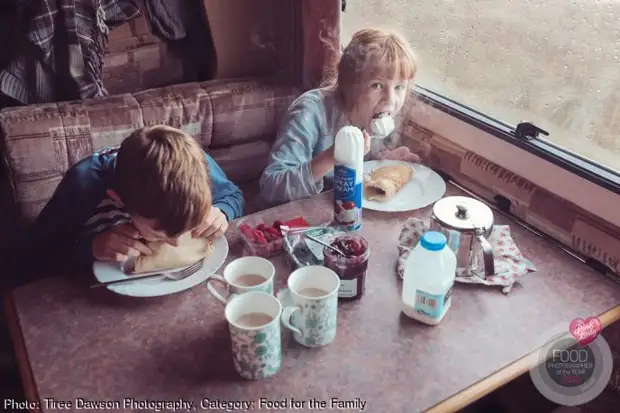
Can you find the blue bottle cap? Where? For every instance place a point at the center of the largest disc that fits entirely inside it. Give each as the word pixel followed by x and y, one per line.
pixel 433 241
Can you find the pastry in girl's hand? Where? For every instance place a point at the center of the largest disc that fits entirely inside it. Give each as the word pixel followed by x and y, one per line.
pixel 385 182
pixel 166 256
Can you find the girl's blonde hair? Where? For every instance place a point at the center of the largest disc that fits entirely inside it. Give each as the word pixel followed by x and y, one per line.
pixel 373 52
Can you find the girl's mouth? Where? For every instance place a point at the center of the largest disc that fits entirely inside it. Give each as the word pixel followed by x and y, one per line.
pixel 380 115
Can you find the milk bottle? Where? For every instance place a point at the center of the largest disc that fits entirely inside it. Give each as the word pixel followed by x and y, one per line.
pixel 348 177
pixel 428 279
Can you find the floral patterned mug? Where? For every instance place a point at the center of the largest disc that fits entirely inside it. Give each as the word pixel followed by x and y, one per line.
pixel 313 317
pixel 254 324
pixel 243 275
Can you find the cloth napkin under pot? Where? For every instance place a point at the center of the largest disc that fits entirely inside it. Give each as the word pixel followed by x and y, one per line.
pixel 510 264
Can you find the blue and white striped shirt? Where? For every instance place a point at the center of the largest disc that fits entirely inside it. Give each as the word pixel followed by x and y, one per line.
pixel 106 215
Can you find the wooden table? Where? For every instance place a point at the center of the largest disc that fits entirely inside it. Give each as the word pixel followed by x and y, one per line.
pixel 74 342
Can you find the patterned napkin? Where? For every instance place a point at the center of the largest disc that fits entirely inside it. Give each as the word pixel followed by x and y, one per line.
pixel 510 264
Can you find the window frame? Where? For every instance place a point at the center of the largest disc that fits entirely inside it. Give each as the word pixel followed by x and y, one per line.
pixel 595 173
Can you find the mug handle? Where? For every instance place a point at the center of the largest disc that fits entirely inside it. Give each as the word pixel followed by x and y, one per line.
pixel 219 297
pixel 286 319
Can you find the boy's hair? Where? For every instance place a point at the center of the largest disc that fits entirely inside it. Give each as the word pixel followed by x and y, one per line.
pixel 373 52
pixel 161 173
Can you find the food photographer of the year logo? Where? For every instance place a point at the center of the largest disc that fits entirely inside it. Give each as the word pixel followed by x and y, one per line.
pixel 573 369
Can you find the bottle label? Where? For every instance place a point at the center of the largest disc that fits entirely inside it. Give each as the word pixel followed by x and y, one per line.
pixel 348 288
pixel 347 198
pixel 431 305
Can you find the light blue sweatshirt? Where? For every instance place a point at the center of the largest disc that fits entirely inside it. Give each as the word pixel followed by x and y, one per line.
pixel 308 128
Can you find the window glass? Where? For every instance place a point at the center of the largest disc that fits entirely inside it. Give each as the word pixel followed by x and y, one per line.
pixel 553 62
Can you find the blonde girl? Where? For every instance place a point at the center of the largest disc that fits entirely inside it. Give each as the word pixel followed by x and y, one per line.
pixel 374 78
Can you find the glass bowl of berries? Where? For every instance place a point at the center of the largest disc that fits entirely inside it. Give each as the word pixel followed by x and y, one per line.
pixel 350 267
pixel 264 238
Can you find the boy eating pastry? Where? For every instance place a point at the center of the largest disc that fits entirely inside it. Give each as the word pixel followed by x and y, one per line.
pixel 156 186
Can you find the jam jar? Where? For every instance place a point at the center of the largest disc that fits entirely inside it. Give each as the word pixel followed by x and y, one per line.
pixel 352 267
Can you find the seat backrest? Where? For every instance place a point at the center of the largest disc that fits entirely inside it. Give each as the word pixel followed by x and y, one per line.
pixel 234 120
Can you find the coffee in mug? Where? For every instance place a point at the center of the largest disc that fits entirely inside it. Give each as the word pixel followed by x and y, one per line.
pixel 248 280
pixel 313 318
pixel 255 319
pixel 241 276
pixel 312 292
pixel 254 324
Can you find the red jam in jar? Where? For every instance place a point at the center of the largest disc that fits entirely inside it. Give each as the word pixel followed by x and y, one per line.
pixel 352 267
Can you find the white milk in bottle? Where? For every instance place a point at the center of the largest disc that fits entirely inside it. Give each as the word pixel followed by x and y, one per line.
pixel 428 278
pixel 348 177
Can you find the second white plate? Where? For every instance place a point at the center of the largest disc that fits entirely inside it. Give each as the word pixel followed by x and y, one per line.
pixel 425 188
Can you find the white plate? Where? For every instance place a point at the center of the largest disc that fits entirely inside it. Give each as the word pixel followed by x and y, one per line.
pixel 425 188
pixel 109 271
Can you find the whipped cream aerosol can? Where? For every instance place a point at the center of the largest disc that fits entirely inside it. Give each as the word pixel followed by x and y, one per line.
pixel 348 177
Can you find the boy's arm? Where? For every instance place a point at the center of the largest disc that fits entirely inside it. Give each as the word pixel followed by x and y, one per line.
pixel 288 175
pixel 56 229
pixel 226 195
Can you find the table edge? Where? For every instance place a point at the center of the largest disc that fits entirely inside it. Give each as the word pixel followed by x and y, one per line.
pixel 19 348
pixel 503 376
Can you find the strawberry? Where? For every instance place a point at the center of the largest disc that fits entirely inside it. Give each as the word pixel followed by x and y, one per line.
pixel 260 237
pixel 297 222
pixel 273 232
pixel 356 247
pixel 348 205
pixel 277 224
pixel 260 226
pixel 351 247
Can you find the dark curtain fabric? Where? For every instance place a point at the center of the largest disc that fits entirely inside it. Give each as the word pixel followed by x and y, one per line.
pixel 59 48
pixel 169 17
pixel 196 47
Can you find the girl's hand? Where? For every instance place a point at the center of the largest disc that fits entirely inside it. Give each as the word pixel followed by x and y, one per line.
pixel 367 139
pixel 399 154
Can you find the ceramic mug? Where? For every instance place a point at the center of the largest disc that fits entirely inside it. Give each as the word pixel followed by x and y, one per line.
pixel 241 276
pixel 313 316
pixel 254 324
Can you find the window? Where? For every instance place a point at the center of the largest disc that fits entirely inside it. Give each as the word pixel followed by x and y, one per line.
pixel 555 63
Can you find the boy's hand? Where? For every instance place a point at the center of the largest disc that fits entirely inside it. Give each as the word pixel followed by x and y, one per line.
pixel 214 226
pixel 118 243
